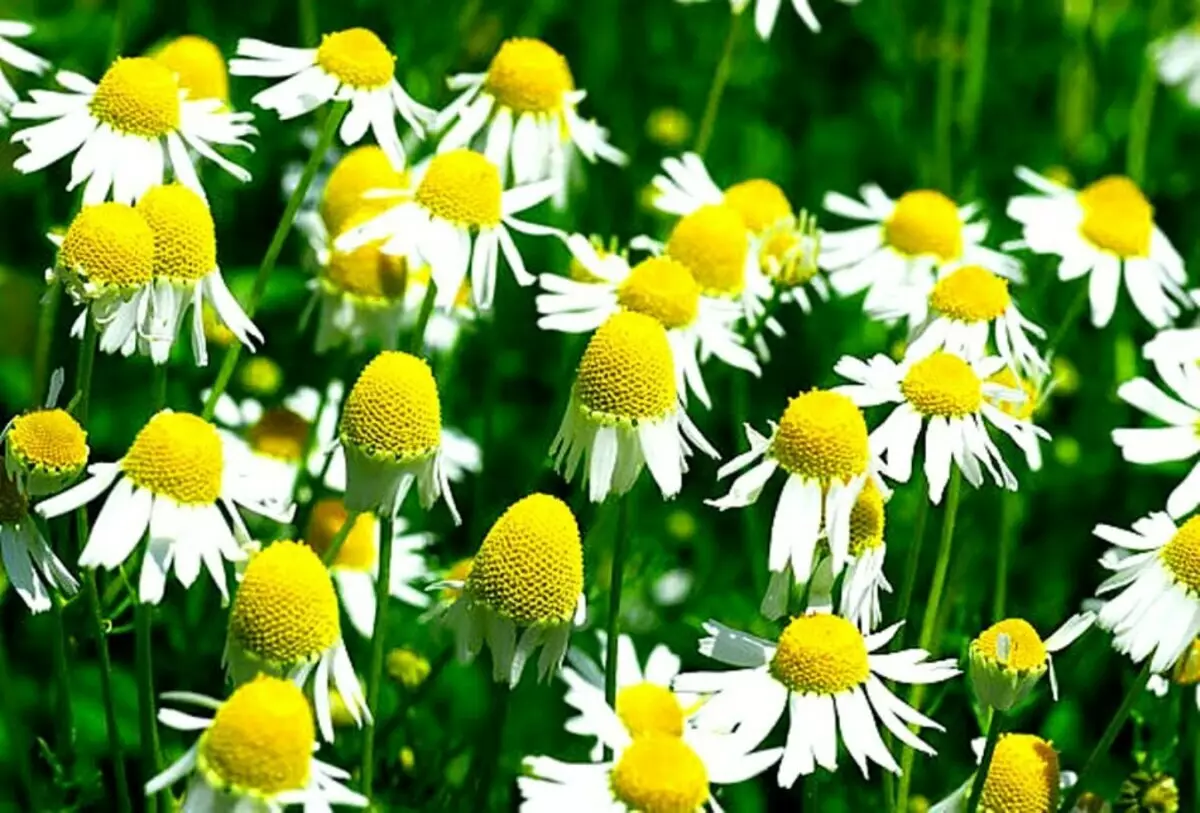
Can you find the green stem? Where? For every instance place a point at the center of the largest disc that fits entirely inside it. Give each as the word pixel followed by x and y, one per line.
pixel 47 318
pixel 418 337
pixel 716 90
pixel 913 562
pixel 64 718
pixel 308 23
pixel 106 688
pixel 1010 508
pixel 378 639
pixel 978 30
pixel 17 735
pixel 993 737
pixel 943 112
pixel 120 29
pixel 158 388
pixel 267 265
pixel 147 716
pixel 1141 112
pixel 1071 317
pixel 812 794
pixel 339 539
pixel 83 370
pixel 617 578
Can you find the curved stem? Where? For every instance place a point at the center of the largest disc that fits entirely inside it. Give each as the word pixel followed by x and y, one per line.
pixel 83 371
pixel 716 90
pixel 1071 317
pixel 106 688
pixel 378 639
pixel 418 336
pixel 339 539
pixel 1009 516
pixel 993 737
pixel 65 719
pixel 978 30
pixel 47 318
pixel 1141 112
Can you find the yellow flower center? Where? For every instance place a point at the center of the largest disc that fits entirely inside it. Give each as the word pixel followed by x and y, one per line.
pixel 407 668
pixel 659 773
pixel 867 519
pixel 1021 410
pixel 627 372
pixel 820 654
pixel 647 708
pixel 393 410
pixel 942 384
pixel 177 455
pixel 1023 776
pixel 822 436
pixel 462 187
pixel 359 171
pixel 971 294
pixel 185 239
pixel 1117 217
pixel 1026 652
pixel 358 551
pixel 712 242
pixel 138 96
pixel 358 58
pixel 110 244
pixel 198 66
pixel 530 565
pixel 925 222
pixel 1186 671
pixel 279 433
pixel 662 288
pixel 14 506
pixel 1181 555
pixel 261 739
pixel 760 202
pixel 528 76
pixel 366 271
pixel 49 441
pixel 286 611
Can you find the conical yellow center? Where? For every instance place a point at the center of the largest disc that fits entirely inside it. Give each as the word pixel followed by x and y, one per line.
pixel 1186 671
pixel 261 739
pixel 1181 555
pixel 362 170
pixel 822 436
pixel 627 372
pixel 138 96
pixel 528 76
pixel 49 440
pixel 463 188
pixel 867 519
pixel 530 565
pixel 366 271
pixel 942 384
pixel 1026 652
pixel 286 611
pixel 1021 410
pixel 971 294
pixel 712 242
pixel 1023 776
pixel 14 506
pixel 279 433
pixel 647 708
pixel 358 58
pixel 185 239
pixel 358 551
pixel 393 409
pixel 1117 217
pixel 177 455
pixel 820 654
pixel 662 288
pixel 659 773
pixel 925 222
pixel 760 202
pixel 198 66
pixel 110 244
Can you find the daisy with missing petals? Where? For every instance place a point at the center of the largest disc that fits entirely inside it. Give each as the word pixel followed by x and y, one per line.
pixel 829 677
pixel 255 753
pixel 352 66
pixel 29 562
pixel 1024 775
pixel 170 482
pixel 284 622
pixel 1177 57
pixel 1009 658
pixel 524 590
pixel 45 450
pixel 624 412
pixel 198 65
pixel 1104 231
pixel 126 129
pixel 1162 444
pixel 18 58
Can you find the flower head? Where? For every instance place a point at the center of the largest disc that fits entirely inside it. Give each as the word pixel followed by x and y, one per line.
pixel 198 66
pixel 44 450
pixel 1008 659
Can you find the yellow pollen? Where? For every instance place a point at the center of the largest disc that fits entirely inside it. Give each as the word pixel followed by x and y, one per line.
pixel 971 294
pixel 14 506
pixel 110 244
pixel 199 66
pixel 358 58
pixel 627 372
pixel 1117 217
pixel 279 433
pixel 530 566
pixel 185 239
pixel 712 242
pixel 462 187
pixel 1023 776
pixel 867 519
pixel 925 222
pixel 1021 410
pixel 261 739
pixel 1181 555
pixel 820 654
pixel 138 96
pixel 822 436
pixel 528 76
pixel 942 384
pixel 647 708
pixel 760 202
pixel 1026 652
pixel 366 271
pixel 1186 671
pixel 662 288
pixel 177 455
pixel 286 611
pixel 358 551
pixel 393 411
pixel 49 441
pixel 659 773
pixel 359 171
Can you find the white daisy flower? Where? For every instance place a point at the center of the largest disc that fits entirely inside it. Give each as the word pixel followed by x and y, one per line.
pixel 29 561
pixel 125 130
pixel 1009 658
pixel 198 65
pixel 18 58
pixel 352 66
pixel 1024 775
pixel 829 677
pixel 766 11
pixel 1177 57
pixel 1104 231
pixel 1176 441
pixel 45 449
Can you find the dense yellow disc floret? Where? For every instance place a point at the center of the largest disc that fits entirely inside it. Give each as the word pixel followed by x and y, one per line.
pixel 925 223
pixel 177 455
pixel 138 96
pixel 659 773
pixel 358 58
pixel 627 372
pixel 821 654
pixel 362 170
pixel 942 384
pixel 279 433
pixel 712 242
pixel 662 288
pixel 528 76
pixel 49 441
pixel 971 294
pixel 1026 652
pixel 185 238
pixel 822 435
pixel 867 519
pixel 646 708
pixel 14 506
pixel 198 66
pixel 109 245
pixel 1181 555
pixel 760 202
pixel 1117 217
pixel 358 551
pixel 1023 776
pixel 462 187
pixel 393 412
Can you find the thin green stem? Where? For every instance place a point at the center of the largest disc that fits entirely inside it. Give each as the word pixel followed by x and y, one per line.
pixel 989 749
pixel 378 640
pixel 418 337
pixel 64 718
pixel 17 735
pixel 335 545
pixel 147 715
pixel 83 370
pixel 124 805
pixel 47 318
pixel 1141 112
pixel 617 578
pixel 308 23
pixel 1010 508
pixel 975 73
pixel 1071 317
pixel 913 562
pixel 716 90
pixel 158 388
pixel 943 111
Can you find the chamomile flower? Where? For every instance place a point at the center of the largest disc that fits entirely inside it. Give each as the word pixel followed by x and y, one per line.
pixel 789 253
pixel 352 66
pixel 284 622
pixel 697 326
pixel 173 482
pixel 198 66
pixel 125 130
pixel 1024 775
pixel 45 450
pixel 1178 440
pixel 255 754
pixel 1185 673
pixel 1008 659
pixel 1104 231
pixel 524 589
pixel 686 185
pixel 766 11
pixel 1177 57
pixel 29 562
pixel 18 58
pixel 363 178
pixel 829 677
pixel 624 412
